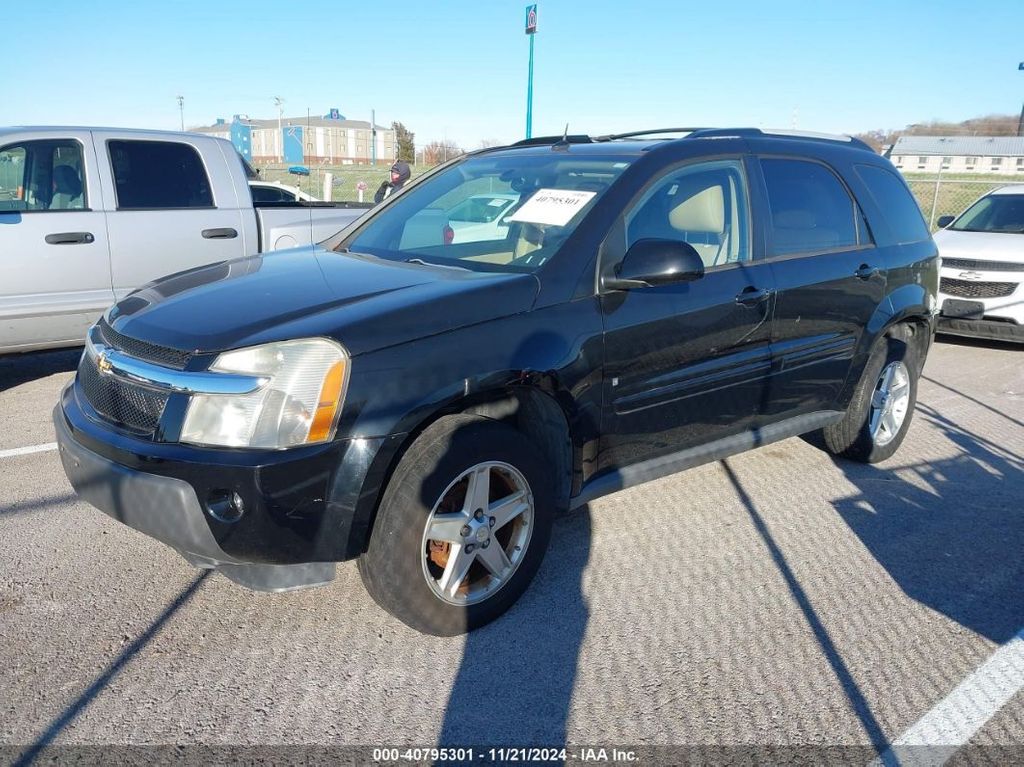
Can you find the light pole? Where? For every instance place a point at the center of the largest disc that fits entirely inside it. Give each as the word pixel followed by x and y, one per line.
pixel 531 30
pixel 278 102
pixel 1020 122
pixel 181 111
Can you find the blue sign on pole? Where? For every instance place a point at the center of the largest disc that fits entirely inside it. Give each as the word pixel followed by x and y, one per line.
pixel 531 19
pixel 293 151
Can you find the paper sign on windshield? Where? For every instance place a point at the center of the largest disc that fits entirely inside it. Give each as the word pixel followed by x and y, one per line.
pixel 554 207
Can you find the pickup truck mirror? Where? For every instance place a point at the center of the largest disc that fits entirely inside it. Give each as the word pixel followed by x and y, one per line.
pixel 945 221
pixel 652 262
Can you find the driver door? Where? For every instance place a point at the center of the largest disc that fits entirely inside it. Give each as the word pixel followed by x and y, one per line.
pixel 687 364
pixel 54 257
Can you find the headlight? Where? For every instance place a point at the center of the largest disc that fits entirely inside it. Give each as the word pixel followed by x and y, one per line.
pixel 299 405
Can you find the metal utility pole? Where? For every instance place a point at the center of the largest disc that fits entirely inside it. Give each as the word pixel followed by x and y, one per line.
pixel 531 30
pixel 1020 122
pixel 373 137
pixel 278 102
pixel 181 111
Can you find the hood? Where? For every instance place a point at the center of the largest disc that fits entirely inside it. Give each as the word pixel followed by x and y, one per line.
pixel 364 302
pixel 985 246
pixel 403 170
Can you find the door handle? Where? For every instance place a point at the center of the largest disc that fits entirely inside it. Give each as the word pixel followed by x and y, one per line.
pixel 69 238
pixel 224 233
pixel 752 296
pixel 866 272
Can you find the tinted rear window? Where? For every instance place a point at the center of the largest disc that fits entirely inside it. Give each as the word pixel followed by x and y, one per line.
pixel 159 174
pixel 897 203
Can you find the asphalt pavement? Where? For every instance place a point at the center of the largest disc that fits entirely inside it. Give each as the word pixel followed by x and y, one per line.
pixel 780 598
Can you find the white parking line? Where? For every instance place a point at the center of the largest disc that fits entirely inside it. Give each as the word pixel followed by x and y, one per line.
pixel 957 718
pixel 28 450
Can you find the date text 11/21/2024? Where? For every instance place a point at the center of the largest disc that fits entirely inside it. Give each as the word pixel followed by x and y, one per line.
pixel 522 754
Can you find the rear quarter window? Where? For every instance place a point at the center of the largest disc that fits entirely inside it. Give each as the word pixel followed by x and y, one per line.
pixel 158 174
pixel 898 206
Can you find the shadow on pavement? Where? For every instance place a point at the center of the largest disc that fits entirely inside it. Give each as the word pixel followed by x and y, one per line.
pixel 949 532
pixel 514 683
pixel 38 504
pixel 971 399
pixel 858 702
pixel 16 369
pixel 76 707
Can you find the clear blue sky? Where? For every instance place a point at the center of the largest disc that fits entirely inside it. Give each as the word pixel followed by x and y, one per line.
pixel 459 68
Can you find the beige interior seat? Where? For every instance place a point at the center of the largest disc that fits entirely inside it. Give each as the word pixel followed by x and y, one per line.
pixel 700 221
pixel 531 238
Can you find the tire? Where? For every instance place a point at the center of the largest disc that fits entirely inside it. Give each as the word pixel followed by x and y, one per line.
pixel 416 578
pixel 863 434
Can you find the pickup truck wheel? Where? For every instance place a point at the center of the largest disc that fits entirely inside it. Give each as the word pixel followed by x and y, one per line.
pixel 462 527
pixel 882 406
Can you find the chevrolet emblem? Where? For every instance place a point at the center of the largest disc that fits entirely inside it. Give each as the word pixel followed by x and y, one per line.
pixel 972 276
pixel 103 364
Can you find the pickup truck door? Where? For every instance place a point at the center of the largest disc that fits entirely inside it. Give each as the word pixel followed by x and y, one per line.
pixel 173 205
pixel 54 261
pixel 687 364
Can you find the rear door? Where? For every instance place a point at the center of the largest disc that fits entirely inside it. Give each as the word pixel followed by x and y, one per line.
pixel 172 207
pixel 54 261
pixel 686 364
pixel 830 279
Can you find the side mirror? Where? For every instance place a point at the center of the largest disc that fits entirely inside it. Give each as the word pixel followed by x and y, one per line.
pixel 653 262
pixel 945 221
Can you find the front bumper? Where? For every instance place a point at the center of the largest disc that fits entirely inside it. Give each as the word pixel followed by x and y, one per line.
pixel 999 319
pixel 990 329
pixel 167 509
pixel 304 509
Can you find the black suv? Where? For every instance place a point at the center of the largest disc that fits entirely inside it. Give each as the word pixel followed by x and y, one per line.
pixel 520 331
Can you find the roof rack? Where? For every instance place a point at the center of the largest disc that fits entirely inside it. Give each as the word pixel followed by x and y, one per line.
pixel 781 133
pixel 697 133
pixel 638 133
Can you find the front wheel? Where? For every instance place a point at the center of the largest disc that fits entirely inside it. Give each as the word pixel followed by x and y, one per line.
pixel 882 407
pixel 462 527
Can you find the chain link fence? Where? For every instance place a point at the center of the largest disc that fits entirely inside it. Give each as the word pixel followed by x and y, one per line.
pixel 942 196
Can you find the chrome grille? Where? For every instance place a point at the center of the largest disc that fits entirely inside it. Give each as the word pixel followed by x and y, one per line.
pixel 134 407
pixel 991 266
pixel 161 355
pixel 967 289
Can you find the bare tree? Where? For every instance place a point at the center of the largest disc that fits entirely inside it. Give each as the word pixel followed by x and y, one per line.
pixel 437 152
pixel 989 125
pixel 487 143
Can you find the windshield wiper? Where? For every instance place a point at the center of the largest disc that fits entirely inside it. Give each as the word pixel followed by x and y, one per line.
pixel 431 263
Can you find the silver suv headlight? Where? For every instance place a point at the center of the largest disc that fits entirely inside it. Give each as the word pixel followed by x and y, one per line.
pixel 298 405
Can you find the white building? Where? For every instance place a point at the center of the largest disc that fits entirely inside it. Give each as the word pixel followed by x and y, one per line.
pixel 307 140
pixel 959 154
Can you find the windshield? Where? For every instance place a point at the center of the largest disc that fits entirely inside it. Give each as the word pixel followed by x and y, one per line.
pixel 508 212
pixel 995 213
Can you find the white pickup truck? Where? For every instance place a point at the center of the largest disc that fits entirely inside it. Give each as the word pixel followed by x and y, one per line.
pixel 89 214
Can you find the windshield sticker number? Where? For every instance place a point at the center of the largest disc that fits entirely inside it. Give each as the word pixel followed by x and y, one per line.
pixel 553 207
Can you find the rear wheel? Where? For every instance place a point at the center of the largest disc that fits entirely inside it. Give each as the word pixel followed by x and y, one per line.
pixel 462 527
pixel 882 407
